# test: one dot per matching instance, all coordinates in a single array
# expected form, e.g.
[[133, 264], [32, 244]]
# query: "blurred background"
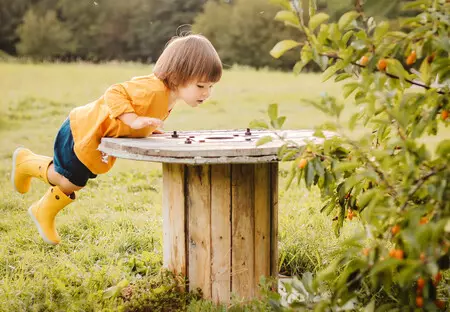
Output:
[[243, 31]]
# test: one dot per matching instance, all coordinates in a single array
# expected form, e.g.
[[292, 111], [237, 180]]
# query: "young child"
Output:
[[187, 69]]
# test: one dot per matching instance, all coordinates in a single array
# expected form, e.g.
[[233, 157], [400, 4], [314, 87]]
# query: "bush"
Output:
[[380, 171], [44, 36]]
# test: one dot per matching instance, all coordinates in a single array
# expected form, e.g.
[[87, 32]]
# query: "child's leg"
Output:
[[67, 174], [62, 182]]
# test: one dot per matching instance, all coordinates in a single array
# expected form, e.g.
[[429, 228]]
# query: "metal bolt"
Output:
[[188, 141], [248, 132], [174, 135]]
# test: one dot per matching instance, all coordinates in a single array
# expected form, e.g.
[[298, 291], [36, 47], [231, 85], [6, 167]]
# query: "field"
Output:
[[112, 233]]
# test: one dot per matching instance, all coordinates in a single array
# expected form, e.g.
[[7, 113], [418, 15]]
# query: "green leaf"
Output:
[[349, 88], [287, 16], [272, 111], [281, 47], [396, 68], [425, 71], [330, 71], [317, 19], [347, 166], [443, 149], [309, 174], [366, 197], [346, 19], [258, 124], [381, 30], [264, 140], [298, 67], [342, 76], [278, 123]]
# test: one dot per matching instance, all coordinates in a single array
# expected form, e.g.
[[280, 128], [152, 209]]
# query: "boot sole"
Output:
[[41, 233], [13, 172]]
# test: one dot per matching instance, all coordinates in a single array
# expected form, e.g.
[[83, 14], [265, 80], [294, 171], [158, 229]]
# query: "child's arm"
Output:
[[119, 99], [138, 122]]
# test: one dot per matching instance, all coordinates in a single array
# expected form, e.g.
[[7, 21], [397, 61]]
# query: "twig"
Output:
[[418, 185], [336, 57]]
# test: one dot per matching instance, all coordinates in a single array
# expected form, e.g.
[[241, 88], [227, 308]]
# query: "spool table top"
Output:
[[205, 147]]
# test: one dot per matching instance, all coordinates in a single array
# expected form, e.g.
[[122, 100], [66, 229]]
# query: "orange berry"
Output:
[[302, 163], [392, 253], [364, 60], [395, 229], [382, 65], [437, 278], [422, 257], [366, 251], [399, 254], [420, 283], [350, 214], [411, 59], [444, 114], [440, 304], [419, 301], [423, 220]]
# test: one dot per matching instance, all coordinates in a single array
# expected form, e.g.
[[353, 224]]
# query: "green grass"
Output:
[[112, 233]]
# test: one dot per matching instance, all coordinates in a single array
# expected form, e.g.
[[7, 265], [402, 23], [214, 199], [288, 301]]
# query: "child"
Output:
[[186, 70]]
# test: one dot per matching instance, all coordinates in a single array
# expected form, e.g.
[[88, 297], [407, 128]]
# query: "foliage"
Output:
[[242, 31], [388, 178], [43, 37]]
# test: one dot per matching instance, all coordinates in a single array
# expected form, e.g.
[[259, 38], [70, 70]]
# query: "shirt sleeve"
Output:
[[118, 100]]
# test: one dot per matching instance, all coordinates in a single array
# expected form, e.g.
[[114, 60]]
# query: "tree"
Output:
[[243, 31], [43, 36], [384, 174], [11, 15]]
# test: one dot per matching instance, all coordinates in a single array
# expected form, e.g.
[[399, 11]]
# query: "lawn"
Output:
[[112, 234]]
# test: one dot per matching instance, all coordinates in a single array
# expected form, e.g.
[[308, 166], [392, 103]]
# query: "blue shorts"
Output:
[[65, 161]]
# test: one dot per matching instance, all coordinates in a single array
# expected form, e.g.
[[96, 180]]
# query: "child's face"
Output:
[[195, 93]]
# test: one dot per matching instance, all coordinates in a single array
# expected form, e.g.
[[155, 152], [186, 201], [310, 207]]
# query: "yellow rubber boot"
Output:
[[44, 211], [27, 165]]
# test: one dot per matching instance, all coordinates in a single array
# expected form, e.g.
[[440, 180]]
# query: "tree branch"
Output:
[[418, 185], [336, 57]]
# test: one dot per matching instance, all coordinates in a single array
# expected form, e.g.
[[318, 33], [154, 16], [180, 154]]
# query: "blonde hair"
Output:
[[186, 59]]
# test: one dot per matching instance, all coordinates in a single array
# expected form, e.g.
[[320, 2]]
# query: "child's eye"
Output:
[[201, 87]]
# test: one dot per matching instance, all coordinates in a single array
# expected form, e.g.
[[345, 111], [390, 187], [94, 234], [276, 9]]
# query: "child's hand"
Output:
[[142, 122]]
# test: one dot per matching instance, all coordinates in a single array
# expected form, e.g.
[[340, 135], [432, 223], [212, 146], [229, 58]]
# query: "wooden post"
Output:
[[220, 226]]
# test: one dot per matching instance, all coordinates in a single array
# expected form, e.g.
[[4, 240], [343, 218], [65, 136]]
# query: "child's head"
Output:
[[186, 60]]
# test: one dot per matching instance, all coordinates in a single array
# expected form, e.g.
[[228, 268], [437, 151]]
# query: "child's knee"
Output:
[[68, 187]]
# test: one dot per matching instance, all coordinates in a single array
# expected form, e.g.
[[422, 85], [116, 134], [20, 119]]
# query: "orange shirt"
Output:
[[145, 96]]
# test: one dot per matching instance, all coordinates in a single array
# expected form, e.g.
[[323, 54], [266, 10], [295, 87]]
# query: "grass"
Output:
[[112, 234]]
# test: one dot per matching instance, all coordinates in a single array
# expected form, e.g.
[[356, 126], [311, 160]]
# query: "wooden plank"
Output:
[[174, 239], [197, 160], [274, 220], [164, 145], [242, 227], [262, 221], [199, 228], [221, 232]]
